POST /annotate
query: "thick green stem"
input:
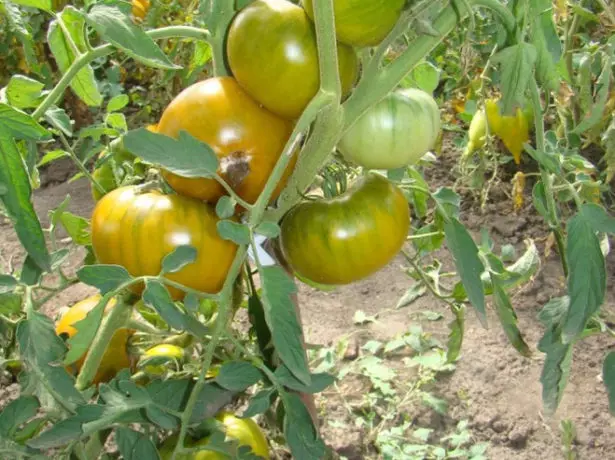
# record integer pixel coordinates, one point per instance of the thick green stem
(327, 48)
(225, 308)
(116, 319)
(546, 177)
(80, 165)
(105, 50)
(222, 12)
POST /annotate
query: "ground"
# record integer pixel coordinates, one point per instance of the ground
(493, 387)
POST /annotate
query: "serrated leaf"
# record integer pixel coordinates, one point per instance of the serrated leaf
(58, 118)
(469, 266)
(104, 277)
(178, 259)
(17, 201)
(157, 297)
(118, 29)
(23, 92)
(508, 317)
(299, 431)
(516, 69)
(238, 376)
(234, 231)
(586, 277)
(598, 218)
(185, 156)
(84, 83)
(608, 377)
(20, 125)
(277, 298)
(134, 445)
(225, 207)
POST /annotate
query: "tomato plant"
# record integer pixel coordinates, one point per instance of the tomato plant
(394, 133)
(331, 241)
(126, 222)
(216, 208)
(287, 43)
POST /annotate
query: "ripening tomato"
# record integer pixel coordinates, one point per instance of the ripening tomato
(349, 237)
(138, 230)
(362, 22)
(172, 355)
(394, 133)
(140, 8)
(247, 139)
(116, 355)
(273, 55)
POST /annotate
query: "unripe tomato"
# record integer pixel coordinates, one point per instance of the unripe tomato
(138, 230)
(247, 139)
(394, 133)
(116, 355)
(362, 22)
(273, 55)
(349, 237)
(172, 354)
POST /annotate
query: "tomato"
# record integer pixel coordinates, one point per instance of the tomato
(247, 138)
(140, 8)
(171, 354)
(394, 133)
(116, 355)
(349, 237)
(138, 230)
(362, 22)
(243, 430)
(273, 55)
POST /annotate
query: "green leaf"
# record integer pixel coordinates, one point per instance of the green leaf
(185, 156)
(424, 76)
(84, 83)
(516, 69)
(16, 413)
(586, 277)
(554, 311)
(594, 116)
(157, 297)
(52, 156)
(7, 283)
(437, 404)
(118, 103)
(225, 207)
(77, 228)
(17, 201)
(418, 198)
(469, 266)
(277, 297)
(45, 5)
(598, 218)
(448, 200)
(104, 277)
(233, 231)
(414, 292)
(30, 272)
(20, 125)
(58, 118)
(256, 314)
(178, 259)
(117, 121)
(118, 29)
(319, 381)
(238, 376)
(508, 317)
(555, 370)
(548, 46)
(547, 160)
(608, 377)
(23, 92)
(455, 335)
(134, 445)
(299, 431)
(87, 327)
(259, 403)
(268, 229)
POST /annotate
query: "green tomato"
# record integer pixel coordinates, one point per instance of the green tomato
(394, 133)
(171, 354)
(362, 22)
(349, 237)
(273, 55)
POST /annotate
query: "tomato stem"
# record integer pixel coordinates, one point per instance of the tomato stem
(324, 21)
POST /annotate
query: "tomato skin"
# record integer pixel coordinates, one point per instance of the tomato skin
(138, 230)
(394, 133)
(173, 353)
(140, 8)
(362, 23)
(272, 53)
(243, 135)
(116, 355)
(245, 431)
(349, 237)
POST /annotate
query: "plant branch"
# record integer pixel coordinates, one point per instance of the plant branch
(105, 50)
(80, 165)
(324, 21)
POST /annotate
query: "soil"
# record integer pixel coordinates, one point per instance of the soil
(493, 387)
